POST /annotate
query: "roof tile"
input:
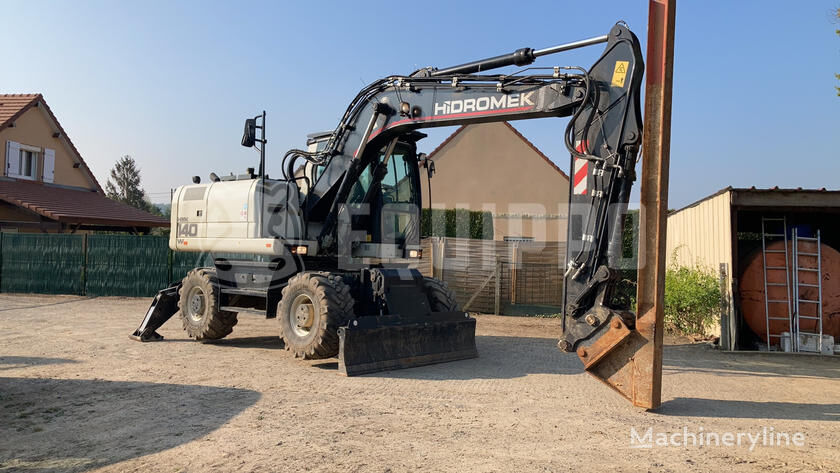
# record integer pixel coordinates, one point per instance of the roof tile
(13, 104)
(75, 206)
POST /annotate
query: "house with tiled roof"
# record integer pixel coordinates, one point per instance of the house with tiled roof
(46, 186)
(493, 167)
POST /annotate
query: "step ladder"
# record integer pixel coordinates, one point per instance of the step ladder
(806, 262)
(774, 229)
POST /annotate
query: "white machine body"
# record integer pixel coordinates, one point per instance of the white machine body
(239, 216)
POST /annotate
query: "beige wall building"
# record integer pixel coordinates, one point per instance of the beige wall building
(46, 185)
(35, 147)
(492, 167)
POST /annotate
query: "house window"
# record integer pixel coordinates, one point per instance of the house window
(28, 164)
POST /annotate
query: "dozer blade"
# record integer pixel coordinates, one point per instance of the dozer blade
(371, 344)
(164, 306)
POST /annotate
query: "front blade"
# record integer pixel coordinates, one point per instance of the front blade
(371, 344)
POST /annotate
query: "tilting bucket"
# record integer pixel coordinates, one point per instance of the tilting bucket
(371, 344)
(163, 307)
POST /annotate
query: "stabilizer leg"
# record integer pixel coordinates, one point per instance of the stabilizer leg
(164, 306)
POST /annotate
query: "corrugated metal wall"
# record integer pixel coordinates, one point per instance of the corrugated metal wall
(702, 235)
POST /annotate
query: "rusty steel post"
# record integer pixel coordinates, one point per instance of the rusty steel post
(630, 361)
(656, 149)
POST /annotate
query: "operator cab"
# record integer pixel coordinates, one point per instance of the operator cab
(383, 202)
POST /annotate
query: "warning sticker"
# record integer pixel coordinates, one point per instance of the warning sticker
(620, 73)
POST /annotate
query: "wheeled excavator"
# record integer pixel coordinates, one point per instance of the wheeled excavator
(337, 235)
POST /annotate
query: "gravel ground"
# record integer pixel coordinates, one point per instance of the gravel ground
(76, 395)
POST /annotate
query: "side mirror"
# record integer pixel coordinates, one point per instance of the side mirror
(249, 136)
(427, 163)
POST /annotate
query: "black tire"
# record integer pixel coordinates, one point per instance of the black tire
(197, 304)
(312, 307)
(441, 298)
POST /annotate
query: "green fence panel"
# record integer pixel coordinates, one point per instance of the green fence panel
(41, 263)
(107, 265)
(183, 262)
(126, 265)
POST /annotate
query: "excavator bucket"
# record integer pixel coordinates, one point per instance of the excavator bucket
(414, 334)
(164, 306)
(374, 344)
(629, 360)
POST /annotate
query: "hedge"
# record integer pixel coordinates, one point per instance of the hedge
(460, 223)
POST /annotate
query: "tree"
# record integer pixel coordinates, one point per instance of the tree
(124, 184)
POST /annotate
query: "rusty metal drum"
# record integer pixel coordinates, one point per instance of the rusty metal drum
(752, 297)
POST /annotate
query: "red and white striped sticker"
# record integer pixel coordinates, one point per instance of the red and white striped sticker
(579, 180)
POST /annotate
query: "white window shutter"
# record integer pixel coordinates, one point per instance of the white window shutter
(12, 159)
(49, 165)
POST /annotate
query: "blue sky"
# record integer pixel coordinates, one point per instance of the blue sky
(171, 82)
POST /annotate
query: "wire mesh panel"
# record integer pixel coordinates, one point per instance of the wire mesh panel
(469, 267)
(536, 283)
(126, 265)
(41, 263)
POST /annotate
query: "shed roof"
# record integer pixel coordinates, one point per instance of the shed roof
(774, 196)
(75, 206)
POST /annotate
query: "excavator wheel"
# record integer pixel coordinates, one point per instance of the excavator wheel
(312, 307)
(441, 298)
(197, 305)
